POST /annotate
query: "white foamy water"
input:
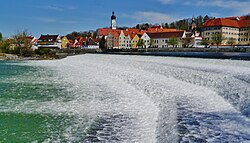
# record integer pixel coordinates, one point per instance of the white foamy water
(117, 98)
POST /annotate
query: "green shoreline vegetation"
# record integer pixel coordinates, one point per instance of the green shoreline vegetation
(19, 47)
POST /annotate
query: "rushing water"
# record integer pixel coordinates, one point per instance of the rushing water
(109, 98)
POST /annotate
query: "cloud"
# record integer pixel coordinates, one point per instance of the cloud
(238, 6)
(54, 20)
(55, 8)
(150, 17)
(58, 8)
(47, 20)
(167, 1)
(241, 7)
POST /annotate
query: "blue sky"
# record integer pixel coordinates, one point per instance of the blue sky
(64, 16)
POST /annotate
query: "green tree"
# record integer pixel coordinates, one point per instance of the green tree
(140, 43)
(217, 39)
(206, 18)
(102, 44)
(231, 41)
(1, 37)
(173, 41)
(166, 25)
(151, 42)
(205, 42)
(187, 41)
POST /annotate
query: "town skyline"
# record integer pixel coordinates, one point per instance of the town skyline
(52, 17)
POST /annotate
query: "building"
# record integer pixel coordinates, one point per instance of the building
(113, 20)
(135, 40)
(65, 42)
(92, 43)
(161, 39)
(49, 41)
(122, 40)
(236, 29)
(113, 39)
(77, 43)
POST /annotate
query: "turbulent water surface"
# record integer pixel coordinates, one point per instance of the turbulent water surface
(113, 98)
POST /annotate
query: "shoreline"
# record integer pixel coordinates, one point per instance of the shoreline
(205, 55)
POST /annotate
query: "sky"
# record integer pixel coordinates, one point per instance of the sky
(65, 16)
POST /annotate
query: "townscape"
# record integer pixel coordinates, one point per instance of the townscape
(215, 32)
(151, 71)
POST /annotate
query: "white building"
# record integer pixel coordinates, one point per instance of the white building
(161, 39)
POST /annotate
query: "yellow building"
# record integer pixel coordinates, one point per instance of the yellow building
(135, 41)
(65, 42)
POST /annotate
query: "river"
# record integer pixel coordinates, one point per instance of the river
(124, 98)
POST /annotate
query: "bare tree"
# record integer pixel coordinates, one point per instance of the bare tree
(22, 41)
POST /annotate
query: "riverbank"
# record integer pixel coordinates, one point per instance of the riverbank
(58, 54)
(212, 53)
(209, 55)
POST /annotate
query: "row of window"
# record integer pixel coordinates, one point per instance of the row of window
(244, 29)
(226, 28)
(125, 45)
(230, 28)
(239, 39)
(208, 33)
(212, 28)
(229, 33)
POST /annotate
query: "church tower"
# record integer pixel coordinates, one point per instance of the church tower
(193, 26)
(113, 20)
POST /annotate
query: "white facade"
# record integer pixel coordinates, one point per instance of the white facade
(122, 40)
(128, 42)
(113, 22)
(146, 39)
(227, 33)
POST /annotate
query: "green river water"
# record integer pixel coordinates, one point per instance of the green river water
(22, 120)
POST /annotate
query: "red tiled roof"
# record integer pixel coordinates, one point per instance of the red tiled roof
(176, 34)
(221, 22)
(237, 22)
(160, 30)
(106, 31)
(50, 38)
(244, 21)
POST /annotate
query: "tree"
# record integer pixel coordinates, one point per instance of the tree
(205, 42)
(187, 41)
(5, 45)
(206, 18)
(140, 43)
(1, 36)
(22, 43)
(199, 21)
(102, 44)
(217, 39)
(231, 41)
(173, 25)
(173, 41)
(166, 25)
(151, 42)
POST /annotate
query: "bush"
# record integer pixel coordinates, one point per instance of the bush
(46, 53)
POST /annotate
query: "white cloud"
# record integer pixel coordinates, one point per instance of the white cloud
(55, 8)
(236, 7)
(239, 7)
(150, 17)
(47, 20)
(166, 1)
(54, 20)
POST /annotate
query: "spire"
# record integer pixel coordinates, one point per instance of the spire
(193, 20)
(113, 16)
(113, 20)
